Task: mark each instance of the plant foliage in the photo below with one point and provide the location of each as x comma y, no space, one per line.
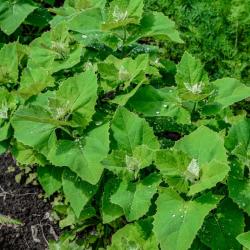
132,159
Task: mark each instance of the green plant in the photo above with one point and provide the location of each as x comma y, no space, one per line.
217,33
88,102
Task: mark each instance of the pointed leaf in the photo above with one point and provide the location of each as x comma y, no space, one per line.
77,191
159,102
244,239
155,24
135,199
229,91
84,160
192,80
203,145
130,131
110,211
238,140
26,155
35,127
115,72
239,186
190,70
125,165
54,50
50,179
80,91
34,80
221,228
14,13
88,21
173,166
211,173
123,12
177,221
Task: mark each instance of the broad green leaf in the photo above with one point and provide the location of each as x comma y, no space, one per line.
35,127
177,221
230,91
9,63
133,236
128,165
28,121
221,228
39,18
123,12
26,155
186,174
238,140
77,191
50,178
115,72
110,211
155,24
130,131
239,186
203,145
173,166
192,80
135,198
88,21
244,239
54,50
159,102
83,159
80,93
13,13
33,81
190,71
211,173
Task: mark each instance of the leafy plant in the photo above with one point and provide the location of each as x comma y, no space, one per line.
216,33
129,162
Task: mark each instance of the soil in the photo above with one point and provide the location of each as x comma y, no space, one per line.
22,202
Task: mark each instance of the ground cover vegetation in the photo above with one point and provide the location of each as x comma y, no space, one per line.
136,128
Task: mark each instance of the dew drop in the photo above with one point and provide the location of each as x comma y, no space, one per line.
157,112
98,123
